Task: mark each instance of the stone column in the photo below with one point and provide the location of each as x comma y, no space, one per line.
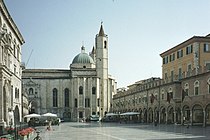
182,117
159,116
204,118
154,115
1,102
191,118
175,121
166,117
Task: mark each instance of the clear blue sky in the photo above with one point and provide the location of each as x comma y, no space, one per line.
138,31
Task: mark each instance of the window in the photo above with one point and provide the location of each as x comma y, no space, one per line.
172,75
179,53
66,97
196,88
16,93
166,76
189,67
80,114
93,90
139,100
206,47
31,91
80,90
165,60
162,96
75,102
98,102
186,92
87,102
207,66
180,73
172,57
105,44
15,69
55,97
189,49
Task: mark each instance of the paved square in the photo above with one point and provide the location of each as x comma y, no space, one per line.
117,131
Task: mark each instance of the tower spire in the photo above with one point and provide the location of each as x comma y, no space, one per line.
101,32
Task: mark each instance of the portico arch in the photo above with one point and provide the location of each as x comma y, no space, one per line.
163,115
170,118
197,115
150,115
145,115
207,114
186,112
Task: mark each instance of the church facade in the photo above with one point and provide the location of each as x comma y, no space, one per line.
76,93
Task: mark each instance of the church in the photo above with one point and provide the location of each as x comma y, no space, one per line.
85,89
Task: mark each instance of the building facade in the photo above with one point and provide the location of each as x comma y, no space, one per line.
76,93
11,41
183,95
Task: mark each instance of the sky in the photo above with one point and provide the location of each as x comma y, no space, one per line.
138,31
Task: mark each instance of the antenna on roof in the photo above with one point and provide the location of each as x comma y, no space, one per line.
29,57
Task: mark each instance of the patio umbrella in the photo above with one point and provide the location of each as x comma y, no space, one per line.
112,114
32,116
49,115
130,113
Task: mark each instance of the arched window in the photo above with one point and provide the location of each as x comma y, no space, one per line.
31,91
75,102
16,93
208,85
93,90
81,90
105,44
66,97
186,89
196,88
55,97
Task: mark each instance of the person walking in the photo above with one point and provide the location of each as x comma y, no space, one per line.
37,136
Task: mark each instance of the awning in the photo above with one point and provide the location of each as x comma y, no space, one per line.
130,113
112,114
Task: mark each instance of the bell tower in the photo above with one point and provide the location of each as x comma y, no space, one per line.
101,41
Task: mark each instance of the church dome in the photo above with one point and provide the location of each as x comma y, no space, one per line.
82,57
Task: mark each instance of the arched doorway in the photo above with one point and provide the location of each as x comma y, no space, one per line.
140,115
186,113
145,115
150,115
156,114
16,115
178,116
163,115
197,115
67,116
33,107
170,115
208,114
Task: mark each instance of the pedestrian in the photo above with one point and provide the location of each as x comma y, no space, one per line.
155,122
183,120
37,136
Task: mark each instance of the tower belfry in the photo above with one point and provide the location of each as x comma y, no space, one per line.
102,69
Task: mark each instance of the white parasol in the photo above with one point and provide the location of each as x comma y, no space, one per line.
130,113
32,116
112,114
49,115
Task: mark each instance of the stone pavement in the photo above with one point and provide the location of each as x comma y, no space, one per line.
117,131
